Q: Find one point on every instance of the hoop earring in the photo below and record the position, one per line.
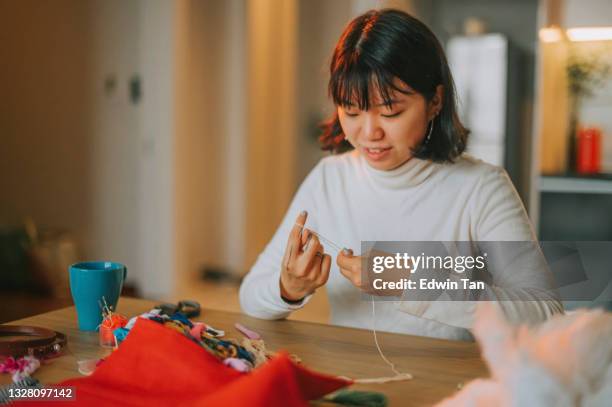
(430, 131)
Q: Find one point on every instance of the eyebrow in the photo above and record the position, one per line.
(391, 102)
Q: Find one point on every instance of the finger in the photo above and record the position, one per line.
(286, 256)
(350, 266)
(350, 275)
(348, 262)
(346, 273)
(305, 261)
(315, 265)
(305, 238)
(325, 267)
(314, 254)
(314, 269)
(307, 258)
(312, 246)
(294, 236)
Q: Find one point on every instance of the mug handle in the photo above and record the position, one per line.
(124, 273)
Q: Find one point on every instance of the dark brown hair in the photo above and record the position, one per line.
(375, 49)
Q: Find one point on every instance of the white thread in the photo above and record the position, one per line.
(382, 380)
(321, 237)
(380, 352)
(398, 375)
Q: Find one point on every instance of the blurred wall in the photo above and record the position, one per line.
(209, 157)
(157, 32)
(271, 118)
(320, 25)
(114, 134)
(586, 13)
(77, 153)
(46, 118)
(160, 183)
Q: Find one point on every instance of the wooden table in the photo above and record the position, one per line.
(438, 366)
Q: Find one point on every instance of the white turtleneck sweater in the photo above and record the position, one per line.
(348, 202)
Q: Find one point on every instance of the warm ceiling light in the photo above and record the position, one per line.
(590, 34)
(551, 34)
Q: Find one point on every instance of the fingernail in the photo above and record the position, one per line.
(304, 213)
(347, 252)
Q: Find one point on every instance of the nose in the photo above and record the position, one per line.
(371, 129)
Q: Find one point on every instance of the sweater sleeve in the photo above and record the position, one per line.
(260, 295)
(520, 281)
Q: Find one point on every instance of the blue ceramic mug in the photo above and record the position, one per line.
(91, 283)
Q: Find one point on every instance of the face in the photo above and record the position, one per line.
(385, 135)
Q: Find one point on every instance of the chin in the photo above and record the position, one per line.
(392, 161)
(383, 165)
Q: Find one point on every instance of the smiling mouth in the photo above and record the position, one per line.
(376, 150)
(377, 154)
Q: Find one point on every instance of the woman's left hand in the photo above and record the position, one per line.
(351, 267)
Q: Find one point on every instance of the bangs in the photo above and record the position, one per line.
(355, 84)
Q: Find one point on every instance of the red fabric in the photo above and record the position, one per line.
(156, 366)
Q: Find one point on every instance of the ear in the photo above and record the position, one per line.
(435, 104)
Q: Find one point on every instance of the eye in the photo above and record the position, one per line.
(350, 111)
(393, 114)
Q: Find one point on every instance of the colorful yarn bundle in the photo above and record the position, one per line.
(228, 351)
(20, 368)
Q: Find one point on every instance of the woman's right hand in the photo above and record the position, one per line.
(305, 265)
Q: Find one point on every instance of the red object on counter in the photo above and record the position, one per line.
(588, 160)
(108, 325)
(157, 366)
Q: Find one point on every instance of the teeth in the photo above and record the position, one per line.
(375, 150)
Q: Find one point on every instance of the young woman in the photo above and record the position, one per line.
(406, 179)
